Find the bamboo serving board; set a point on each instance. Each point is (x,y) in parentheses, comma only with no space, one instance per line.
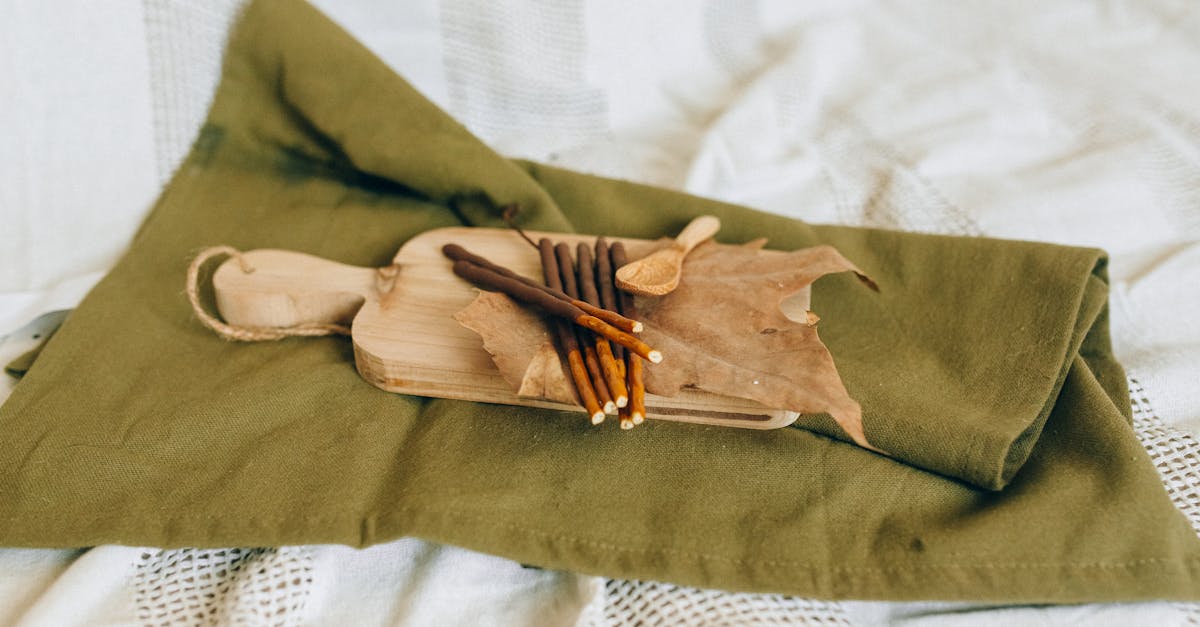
(405,337)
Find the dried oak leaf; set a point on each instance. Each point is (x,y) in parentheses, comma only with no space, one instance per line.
(722,331)
(520,344)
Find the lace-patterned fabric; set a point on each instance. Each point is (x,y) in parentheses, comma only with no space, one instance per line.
(649,603)
(200,587)
(1176,456)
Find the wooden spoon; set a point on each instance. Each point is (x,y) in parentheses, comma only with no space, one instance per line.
(658,273)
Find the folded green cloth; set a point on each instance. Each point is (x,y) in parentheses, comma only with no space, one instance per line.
(982,362)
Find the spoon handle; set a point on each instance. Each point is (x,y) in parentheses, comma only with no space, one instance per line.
(698,230)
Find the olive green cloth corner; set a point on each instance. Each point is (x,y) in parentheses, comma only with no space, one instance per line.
(981,359)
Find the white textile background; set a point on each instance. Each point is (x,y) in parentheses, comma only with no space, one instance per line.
(1068,122)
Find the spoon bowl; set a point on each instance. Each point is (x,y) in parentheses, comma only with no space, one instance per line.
(658,273)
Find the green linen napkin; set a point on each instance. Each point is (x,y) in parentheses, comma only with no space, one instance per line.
(986,363)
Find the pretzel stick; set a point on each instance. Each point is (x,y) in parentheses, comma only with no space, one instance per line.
(495,281)
(637,403)
(608,300)
(592,361)
(620,337)
(625,414)
(608,295)
(613,376)
(566,268)
(566,339)
(607,314)
(608,366)
(637,387)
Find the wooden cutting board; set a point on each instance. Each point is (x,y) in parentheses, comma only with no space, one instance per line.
(405,337)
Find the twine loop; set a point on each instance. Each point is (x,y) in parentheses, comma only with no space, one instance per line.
(246,333)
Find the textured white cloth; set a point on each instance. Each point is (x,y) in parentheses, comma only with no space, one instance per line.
(1058,121)
(77,146)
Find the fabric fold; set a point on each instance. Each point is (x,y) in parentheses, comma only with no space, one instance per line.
(312,110)
(975,336)
(983,364)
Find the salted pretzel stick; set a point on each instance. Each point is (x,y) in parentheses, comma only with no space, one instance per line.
(566,339)
(607,314)
(633,374)
(566,267)
(495,281)
(608,365)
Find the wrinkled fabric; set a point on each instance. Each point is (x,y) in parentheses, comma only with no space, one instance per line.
(982,359)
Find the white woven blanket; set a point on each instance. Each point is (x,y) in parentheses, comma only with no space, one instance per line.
(1058,121)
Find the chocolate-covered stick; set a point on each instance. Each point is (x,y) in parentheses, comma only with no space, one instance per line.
(566,339)
(495,281)
(608,300)
(608,293)
(637,387)
(566,268)
(608,365)
(607,314)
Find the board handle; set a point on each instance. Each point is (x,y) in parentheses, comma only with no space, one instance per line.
(287,289)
